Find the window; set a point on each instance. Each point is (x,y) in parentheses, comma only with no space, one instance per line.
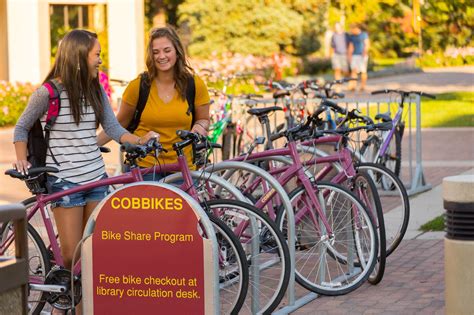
(64,18)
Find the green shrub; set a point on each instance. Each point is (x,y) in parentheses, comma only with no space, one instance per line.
(441,60)
(13,100)
(315,66)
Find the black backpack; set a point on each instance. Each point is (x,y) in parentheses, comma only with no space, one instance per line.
(38,139)
(143,93)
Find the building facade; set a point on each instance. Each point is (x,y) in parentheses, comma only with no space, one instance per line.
(30,29)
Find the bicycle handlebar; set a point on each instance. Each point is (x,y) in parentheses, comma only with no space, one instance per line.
(185,135)
(135,151)
(403,93)
(334,106)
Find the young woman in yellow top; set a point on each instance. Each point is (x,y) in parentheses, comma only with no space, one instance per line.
(166,107)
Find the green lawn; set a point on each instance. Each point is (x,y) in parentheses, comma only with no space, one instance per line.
(381,63)
(447,110)
(437,224)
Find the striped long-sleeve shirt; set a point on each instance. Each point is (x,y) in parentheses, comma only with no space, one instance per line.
(74,146)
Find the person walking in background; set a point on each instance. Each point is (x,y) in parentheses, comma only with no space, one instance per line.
(73,148)
(166,108)
(339,41)
(358,55)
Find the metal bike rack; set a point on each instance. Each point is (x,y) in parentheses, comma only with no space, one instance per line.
(417,182)
(292,303)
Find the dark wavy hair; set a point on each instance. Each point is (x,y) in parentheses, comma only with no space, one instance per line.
(182,69)
(71,68)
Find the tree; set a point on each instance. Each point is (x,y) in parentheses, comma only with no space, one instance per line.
(447,23)
(239,26)
(314,13)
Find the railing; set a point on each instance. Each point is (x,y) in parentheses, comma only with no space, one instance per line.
(416,180)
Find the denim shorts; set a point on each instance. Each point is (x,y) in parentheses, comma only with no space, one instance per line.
(78,199)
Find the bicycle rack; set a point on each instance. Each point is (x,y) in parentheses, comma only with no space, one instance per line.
(417,182)
(293,304)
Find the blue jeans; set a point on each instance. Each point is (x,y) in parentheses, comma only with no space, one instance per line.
(78,199)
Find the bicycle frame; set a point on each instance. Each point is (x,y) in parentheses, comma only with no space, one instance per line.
(294,170)
(42,199)
(388,135)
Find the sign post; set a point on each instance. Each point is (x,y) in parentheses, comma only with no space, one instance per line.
(152,251)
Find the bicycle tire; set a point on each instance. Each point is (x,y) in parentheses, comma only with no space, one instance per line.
(232,254)
(392,159)
(364,188)
(39,266)
(307,240)
(272,249)
(394,200)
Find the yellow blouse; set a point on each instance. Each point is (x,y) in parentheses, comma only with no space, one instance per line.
(165,118)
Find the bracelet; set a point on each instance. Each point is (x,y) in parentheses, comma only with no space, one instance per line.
(197,123)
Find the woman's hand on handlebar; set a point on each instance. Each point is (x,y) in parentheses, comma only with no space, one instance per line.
(150,136)
(200,127)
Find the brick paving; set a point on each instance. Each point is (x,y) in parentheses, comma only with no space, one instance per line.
(413,284)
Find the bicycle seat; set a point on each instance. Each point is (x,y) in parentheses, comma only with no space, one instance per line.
(263,111)
(32,172)
(385,117)
(281,93)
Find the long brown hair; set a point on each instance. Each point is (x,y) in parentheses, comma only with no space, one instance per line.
(182,69)
(71,67)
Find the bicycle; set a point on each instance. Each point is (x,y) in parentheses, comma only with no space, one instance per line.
(236,214)
(239,216)
(360,184)
(50,282)
(386,147)
(222,122)
(394,200)
(324,218)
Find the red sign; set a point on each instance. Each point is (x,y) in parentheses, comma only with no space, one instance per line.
(147,254)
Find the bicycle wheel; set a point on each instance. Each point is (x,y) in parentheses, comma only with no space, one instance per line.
(364,188)
(38,262)
(264,246)
(233,268)
(328,264)
(394,200)
(392,159)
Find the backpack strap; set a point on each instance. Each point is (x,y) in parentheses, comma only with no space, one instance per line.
(143,93)
(53,112)
(190,97)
